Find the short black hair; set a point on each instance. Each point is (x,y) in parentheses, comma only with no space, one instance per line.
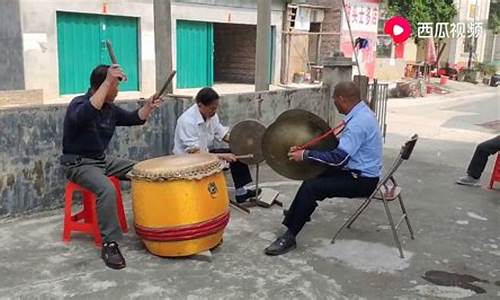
(98,76)
(347,89)
(206,96)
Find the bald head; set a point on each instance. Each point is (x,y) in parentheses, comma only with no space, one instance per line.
(348,90)
(345,96)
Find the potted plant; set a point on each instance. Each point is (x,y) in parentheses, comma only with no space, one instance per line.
(486,70)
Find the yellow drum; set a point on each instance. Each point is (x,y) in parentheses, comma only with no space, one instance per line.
(180,203)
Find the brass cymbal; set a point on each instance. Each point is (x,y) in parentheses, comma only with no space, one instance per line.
(292,128)
(246,138)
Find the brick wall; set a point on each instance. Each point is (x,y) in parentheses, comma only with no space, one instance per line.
(331,23)
(235,47)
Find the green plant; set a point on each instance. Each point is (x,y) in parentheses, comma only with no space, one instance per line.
(470,76)
(486,69)
(494,17)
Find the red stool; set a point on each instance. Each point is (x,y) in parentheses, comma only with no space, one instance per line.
(495,174)
(86,219)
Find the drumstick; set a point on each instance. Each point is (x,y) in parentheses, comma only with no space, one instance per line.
(111,52)
(112,55)
(165,85)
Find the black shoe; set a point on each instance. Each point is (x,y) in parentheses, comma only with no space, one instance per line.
(282,245)
(248,195)
(112,256)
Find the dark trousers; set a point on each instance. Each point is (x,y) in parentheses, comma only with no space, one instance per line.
(92,175)
(333,183)
(480,158)
(239,171)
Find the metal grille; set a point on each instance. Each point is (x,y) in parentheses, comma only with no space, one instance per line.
(378,94)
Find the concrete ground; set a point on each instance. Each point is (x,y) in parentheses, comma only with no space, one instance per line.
(457,231)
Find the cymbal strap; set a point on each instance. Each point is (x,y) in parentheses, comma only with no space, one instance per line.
(334,131)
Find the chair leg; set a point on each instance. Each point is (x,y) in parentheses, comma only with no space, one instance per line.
(359,211)
(394,232)
(350,220)
(407,219)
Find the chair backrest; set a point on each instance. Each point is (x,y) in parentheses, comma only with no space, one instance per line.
(404,154)
(408,147)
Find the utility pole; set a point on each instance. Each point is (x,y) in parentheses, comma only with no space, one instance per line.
(473,43)
(163,41)
(263,54)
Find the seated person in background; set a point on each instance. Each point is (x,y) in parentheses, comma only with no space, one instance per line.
(196,130)
(479,160)
(354,167)
(89,125)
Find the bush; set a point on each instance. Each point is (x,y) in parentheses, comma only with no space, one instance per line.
(486,69)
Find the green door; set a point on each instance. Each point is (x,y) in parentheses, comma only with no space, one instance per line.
(122,32)
(195,54)
(80,41)
(271,53)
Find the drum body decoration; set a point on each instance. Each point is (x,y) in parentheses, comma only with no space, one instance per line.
(180,203)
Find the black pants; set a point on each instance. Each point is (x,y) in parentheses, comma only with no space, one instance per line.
(333,183)
(239,171)
(480,158)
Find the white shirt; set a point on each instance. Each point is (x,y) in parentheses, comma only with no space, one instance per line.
(192,131)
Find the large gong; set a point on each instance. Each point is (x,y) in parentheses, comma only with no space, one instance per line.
(292,128)
(246,138)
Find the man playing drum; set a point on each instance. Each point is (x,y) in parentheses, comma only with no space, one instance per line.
(88,127)
(197,129)
(353,170)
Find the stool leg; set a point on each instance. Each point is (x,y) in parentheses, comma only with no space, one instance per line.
(94,220)
(68,197)
(120,210)
(495,175)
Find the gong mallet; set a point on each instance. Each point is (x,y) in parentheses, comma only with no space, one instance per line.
(244,156)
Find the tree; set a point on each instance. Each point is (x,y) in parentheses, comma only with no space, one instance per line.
(418,11)
(494,18)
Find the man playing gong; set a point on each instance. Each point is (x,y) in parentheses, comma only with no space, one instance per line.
(354,167)
(89,126)
(198,128)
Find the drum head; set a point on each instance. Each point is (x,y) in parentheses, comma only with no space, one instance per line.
(176,167)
